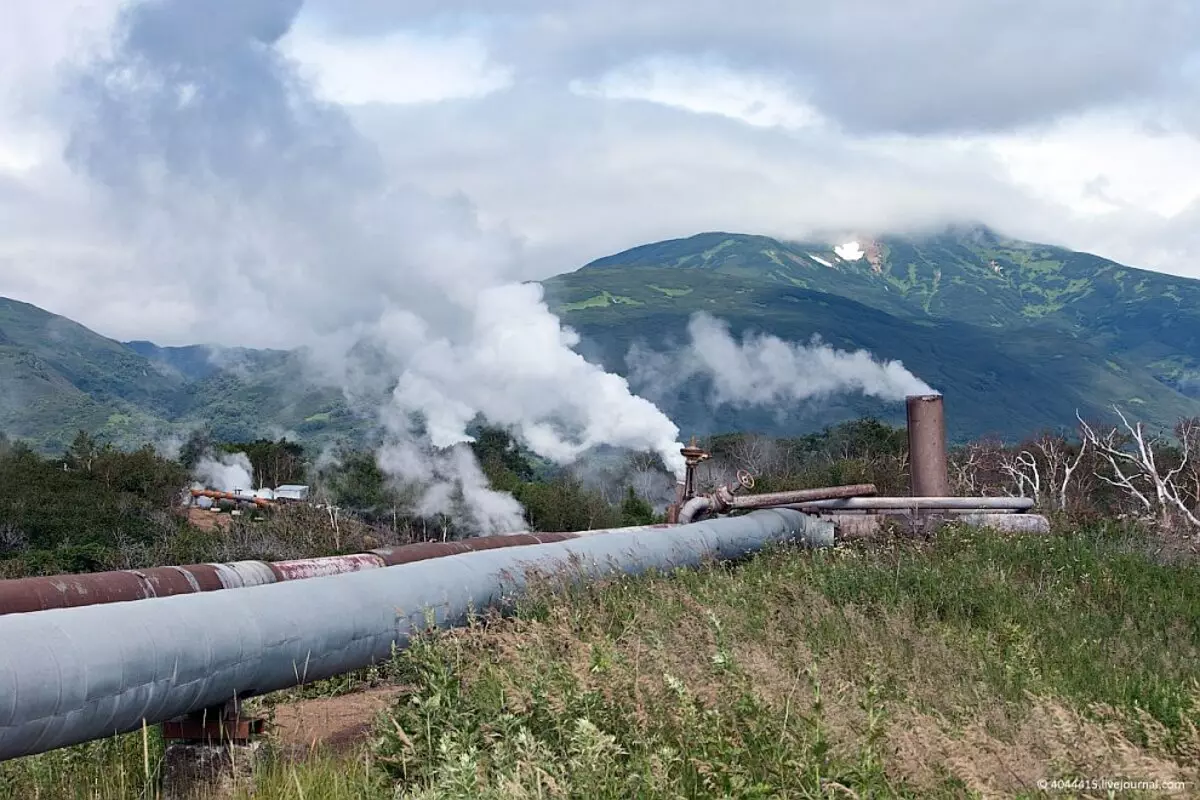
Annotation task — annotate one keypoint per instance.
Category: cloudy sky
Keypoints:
(522, 138)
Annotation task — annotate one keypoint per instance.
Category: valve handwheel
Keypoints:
(745, 479)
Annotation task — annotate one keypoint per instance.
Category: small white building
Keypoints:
(292, 491)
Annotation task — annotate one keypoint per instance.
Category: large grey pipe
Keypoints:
(70, 675)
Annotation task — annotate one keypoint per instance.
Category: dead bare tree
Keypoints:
(1188, 433)
(715, 472)
(1061, 466)
(1022, 469)
(1135, 470)
(1044, 467)
(977, 468)
(756, 454)
(333, 524)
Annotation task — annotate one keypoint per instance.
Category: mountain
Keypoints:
(56, 376)
(1017, 335)
(199, 361)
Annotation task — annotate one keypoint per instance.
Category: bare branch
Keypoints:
(1141, 464)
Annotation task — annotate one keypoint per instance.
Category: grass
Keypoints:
(972, 665)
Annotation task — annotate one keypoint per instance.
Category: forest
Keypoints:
(98, 507)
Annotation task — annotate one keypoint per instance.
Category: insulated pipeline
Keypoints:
(20, 595)
(75, 674)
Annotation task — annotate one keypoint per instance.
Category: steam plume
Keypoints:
(225, 170)
(763, 370)
(226, 472)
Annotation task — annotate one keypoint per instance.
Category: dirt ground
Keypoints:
(206, 520)
(336, 724)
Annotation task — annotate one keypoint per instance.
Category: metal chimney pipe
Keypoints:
(927, 446)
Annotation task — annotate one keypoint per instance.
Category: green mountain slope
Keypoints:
(57, 376)
(1017, 335)
(1009, 385)
(197, 362)
(972, 275)
(268, 393)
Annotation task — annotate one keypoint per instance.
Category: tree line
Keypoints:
(99, 507)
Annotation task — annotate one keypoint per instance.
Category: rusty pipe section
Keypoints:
(929, 475)
(68, 591)
(723, 499)
(213, 494)
(772, 499)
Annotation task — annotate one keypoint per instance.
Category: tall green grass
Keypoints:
(973, 664)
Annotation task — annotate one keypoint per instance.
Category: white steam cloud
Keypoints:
(225, 170)
(225, 473)
(763, 370)
(452, 484)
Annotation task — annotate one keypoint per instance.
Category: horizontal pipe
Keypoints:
(213, 494)
(903, 512)
(858, 526)
(1008, 523)
(22, 595)
(723, 499)
(303, 568)
(927, 503)
(421, 551)
(772, 499)
(71, 675)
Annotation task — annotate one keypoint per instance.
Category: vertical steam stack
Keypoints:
(927, 446)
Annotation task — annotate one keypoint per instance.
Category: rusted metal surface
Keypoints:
(801, 496)
(206, 575)
(927, 446)
(408, 553)
(261, 502)
(693, 454)
(118, 586)
(164, 581)
(724, 499)
(302, 568)
(221, 725)
(67, 591)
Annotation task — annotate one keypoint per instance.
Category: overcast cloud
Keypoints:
(557, 132)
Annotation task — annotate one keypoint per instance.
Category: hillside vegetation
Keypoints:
(1018, 336)
(974, 665)
(994, 323)
(57, 377)
(963, 664)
